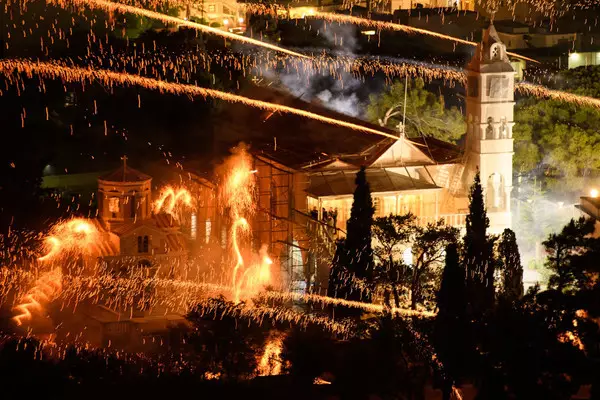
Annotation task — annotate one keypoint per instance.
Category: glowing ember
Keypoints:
(570, 337)
(270, 362)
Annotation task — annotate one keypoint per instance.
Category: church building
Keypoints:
(142, 237)
(306, 169)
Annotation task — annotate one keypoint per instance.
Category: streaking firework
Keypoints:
(123, 8)
(238, 195)
(172, 201)
(45, 289)
(109, 78)
(380, 25)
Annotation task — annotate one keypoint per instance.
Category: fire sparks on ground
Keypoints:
(270, 362)
(123, 8)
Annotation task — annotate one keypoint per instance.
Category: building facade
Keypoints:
(306, 179)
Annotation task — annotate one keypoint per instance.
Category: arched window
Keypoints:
(494, 191)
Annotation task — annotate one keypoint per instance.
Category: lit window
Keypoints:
(207, 230)
(113, 205)
(211, 8)
(194, 227)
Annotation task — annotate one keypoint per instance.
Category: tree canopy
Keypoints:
(426, 112)
(558, 138)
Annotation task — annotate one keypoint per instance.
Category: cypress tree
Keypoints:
(354, 256)
(478, 251)
(358, 239)
(451, 299)
(512, 271)
(450, 333)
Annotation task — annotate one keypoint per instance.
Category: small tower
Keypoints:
(489, 144)
(124, 195)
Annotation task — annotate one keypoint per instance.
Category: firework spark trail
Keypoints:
(75, 74)
(380, 25)
(543, 92)
(172, 199)
(123, 8)
(45, 290)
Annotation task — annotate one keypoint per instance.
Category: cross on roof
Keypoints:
(124, 158)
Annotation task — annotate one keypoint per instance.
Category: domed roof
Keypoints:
(125, 174)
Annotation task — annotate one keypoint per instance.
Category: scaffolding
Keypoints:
(293, 236)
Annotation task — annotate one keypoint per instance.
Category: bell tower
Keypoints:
(489, 143)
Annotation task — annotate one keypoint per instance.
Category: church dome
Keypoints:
(125, 174)
(124, 195)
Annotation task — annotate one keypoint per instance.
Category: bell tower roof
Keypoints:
(125, 174)
(490, 55)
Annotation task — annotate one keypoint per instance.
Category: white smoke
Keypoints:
(338, 94)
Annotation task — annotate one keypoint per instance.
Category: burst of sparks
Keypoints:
(172, 200)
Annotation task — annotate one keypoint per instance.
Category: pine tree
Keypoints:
(478, 252)
(512, 271)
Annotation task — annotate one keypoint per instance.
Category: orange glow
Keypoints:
(172, 201)
(238, 196)
(75, 236)
(74, 74)
(570, 337)
(45, 289)
(270, 362)
(111, 7)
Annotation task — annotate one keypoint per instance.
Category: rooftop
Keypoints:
(341, 183)
(299, 143)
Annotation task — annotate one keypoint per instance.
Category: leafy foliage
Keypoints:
(573, 256)
(395, 233)
(426, 113)
(558, 138)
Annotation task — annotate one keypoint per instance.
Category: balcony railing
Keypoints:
(456, 220)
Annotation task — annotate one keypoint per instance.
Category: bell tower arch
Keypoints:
(490, 112)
